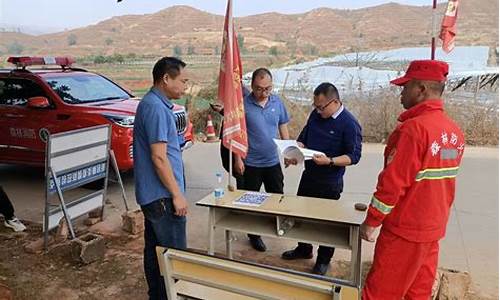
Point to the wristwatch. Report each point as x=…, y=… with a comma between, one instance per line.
x=332, y=163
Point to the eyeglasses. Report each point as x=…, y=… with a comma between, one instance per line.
x=263, y=89
x=322, y=108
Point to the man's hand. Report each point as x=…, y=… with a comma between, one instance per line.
x=239, y=166
x=217, y=107
x=367, y=232
x=290, y=161
x=301, y=145
x=180, y=205
x=321, y=160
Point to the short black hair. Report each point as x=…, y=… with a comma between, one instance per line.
x=167, y=65
x=328, y=90
x=261, y=72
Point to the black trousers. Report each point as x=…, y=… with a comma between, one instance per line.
x=6, y=208
x=271, y=177
x=308, y=187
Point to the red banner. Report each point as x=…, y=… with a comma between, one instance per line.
x=449, y=26
x=235, y=129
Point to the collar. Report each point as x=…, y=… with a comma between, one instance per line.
x=421, y=108
x=162, y=97
x=252, y=99
x=338, y=112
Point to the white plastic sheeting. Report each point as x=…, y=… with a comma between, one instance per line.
x=463, y=61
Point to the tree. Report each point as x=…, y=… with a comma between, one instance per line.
x=292, y=47
x=117, y=58
x=100, y=59
x=131, y=56
x=190, y=50
x=273, y=51
x=310, y=49
x=177, y=51
x=72, y=39
x=15, y=48
x=108, y=41
x=241, y=41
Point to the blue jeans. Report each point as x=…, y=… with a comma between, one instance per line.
x=161, y=228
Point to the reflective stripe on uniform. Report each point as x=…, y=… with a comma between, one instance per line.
x=433, y=174
x=381, y=206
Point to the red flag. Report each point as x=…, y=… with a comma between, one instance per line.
x=449, y=26
x=235, y=129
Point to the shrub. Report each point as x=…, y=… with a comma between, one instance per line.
x=72, y=39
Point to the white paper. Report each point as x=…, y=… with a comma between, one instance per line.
x=291, y=150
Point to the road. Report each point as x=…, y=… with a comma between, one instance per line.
x=471, y=243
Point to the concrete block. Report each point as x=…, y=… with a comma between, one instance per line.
x=88, y=248
x=133, y=222
x=91, y=221
x=454, y=285
x=96, y=213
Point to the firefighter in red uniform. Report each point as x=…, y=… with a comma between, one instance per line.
x=415, y=190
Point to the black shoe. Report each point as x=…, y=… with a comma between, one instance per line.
x=320, y=269
x=294, y=254
x=257, y=243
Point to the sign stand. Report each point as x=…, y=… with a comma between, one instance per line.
x=118, y=176
x=75, y=158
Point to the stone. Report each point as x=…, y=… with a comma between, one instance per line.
x=435, y=286
x=36, y=246
x=454, y=285
x=5, y=292
x=133, y=222
x=62, y=231
x=88, y=248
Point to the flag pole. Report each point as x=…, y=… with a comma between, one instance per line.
x=230, y=186
x=433, y=30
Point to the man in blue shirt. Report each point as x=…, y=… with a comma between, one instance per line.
x=158, y=169
x=266, y=117
x=334, y=131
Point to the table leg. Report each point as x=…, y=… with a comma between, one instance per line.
x=229, y=245
x=211, y=231
x=355, y=256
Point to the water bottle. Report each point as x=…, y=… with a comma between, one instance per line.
x=285, y=225
x=219, y=188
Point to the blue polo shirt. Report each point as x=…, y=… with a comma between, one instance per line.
x=262, y=127
x=155, y=122
x=335, y=136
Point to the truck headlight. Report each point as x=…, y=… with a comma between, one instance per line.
x=121, y=120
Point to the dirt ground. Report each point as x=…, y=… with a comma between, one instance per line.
x=120, y=274
x=54, y=275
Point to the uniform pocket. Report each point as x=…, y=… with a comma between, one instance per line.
x=154, y=211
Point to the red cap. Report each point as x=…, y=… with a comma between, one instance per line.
x=433, y=70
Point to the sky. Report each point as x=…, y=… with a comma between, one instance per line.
x=54, y=15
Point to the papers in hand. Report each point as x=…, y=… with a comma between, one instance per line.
x=251, y=199
x=291, y=150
